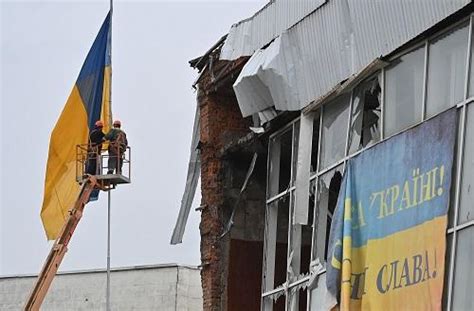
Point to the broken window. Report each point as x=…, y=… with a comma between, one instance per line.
x=307, y=231
x=365, y=117
x=334, y=131
x=276, y=250
x=301, y=244
x=281, y=246
x=300, y=255
x=280, y=163
x=306, y=241
x=278, y=263
x=281, y=242
x=404, y=92
x=329, y=185
x=276, y=243
x=447, y=70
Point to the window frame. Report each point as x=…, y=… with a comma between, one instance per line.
x=452, y=231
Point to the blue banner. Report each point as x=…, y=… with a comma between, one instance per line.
x=388, y=233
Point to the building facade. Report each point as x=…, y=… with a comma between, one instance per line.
x=154, y=287
x=285, y=101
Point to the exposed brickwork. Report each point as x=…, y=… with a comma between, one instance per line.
x=221, y=121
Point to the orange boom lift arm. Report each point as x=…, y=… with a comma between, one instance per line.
x=88, y=183
x=59, y=249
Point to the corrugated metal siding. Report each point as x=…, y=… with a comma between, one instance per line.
x=251, y=34
x=324, y=40
x=336, y=41
x=381, y=26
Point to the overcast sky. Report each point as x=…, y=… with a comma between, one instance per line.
x=43, y=45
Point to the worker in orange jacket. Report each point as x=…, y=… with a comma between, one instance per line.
x=117, y=147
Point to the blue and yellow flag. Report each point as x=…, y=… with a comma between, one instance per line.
x=88, y=102
x=388, y=233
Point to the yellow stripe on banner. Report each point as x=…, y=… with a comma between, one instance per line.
x=61, y=188
x=404, y=271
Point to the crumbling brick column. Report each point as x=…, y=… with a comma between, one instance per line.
x=221, y=121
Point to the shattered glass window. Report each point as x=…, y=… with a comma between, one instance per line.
x=404, y=92
x=281, y=241
x=301, y=240
x=446, y=70
x=365, y=120
x=334, y=131
x=280, y=163
x=329, y=185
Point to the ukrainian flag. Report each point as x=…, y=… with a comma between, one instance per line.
x=88, y=102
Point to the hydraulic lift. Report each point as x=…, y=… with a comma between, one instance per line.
x=89, y=184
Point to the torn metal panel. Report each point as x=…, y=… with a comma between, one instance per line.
x=329, y=45
x=252, y=93
x=194, y=170
x=303, y=170
x=200, y=62
x=267, y=80
x=251, y=34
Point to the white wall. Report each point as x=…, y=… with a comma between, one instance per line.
x=166, y=287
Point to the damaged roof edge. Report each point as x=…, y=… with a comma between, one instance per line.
x=340, y=39
x=200, y=62
x=251, y=34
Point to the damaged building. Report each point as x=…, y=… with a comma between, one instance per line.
x=284, y=102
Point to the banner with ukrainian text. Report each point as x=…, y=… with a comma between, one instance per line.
x=88, y=102
x=388, y=233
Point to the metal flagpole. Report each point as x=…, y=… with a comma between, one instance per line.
x=107, y=298
x=108, y=254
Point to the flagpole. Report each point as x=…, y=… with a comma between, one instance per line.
x=107, y=298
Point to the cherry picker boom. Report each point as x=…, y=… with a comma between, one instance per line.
x=89, y=183
x=59, y=248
